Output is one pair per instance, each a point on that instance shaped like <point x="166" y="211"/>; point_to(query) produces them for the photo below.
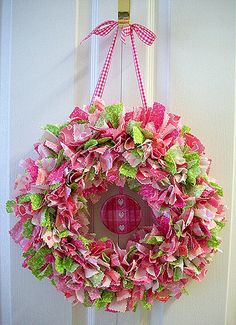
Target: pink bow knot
<point x="143" y="33"/>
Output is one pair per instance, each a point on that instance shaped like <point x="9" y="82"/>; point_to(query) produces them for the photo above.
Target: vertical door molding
<point x="162" y="53"/>
<point x="150" y="78"/>
<point x="94" y="48"/>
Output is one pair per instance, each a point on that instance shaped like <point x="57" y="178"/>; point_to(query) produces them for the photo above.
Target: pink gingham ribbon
<point x="144" y="34"/>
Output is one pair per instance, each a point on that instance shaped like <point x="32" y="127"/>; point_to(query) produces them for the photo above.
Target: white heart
<point x="120" y="202"/>
<point x="121" y="227"/>
<point x="121" y="214"/>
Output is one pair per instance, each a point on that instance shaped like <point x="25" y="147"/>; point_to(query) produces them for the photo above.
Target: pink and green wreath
<point x="146" y="150"/>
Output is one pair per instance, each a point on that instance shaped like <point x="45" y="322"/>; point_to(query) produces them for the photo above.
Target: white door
<point x="45" y="72"/>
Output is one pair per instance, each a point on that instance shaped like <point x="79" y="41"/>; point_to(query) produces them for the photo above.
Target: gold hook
<point x="123" y="12"/>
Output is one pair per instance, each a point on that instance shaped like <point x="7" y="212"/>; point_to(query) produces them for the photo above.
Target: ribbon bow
<point x="144" y="34"/>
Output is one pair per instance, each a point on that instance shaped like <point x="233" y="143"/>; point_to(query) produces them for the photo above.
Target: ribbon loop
<point x="103" y="29"/>
<point x="143" y="33"/>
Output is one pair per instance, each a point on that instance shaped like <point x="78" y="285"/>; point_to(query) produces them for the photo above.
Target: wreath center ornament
<point x="146" y="149"/>
<point x="121" y="214"/>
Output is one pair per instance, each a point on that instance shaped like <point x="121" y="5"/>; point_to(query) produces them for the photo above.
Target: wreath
<point x="146" y="150"/>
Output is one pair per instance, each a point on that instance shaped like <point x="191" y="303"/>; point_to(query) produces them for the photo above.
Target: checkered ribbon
<point x="144" y="34"/>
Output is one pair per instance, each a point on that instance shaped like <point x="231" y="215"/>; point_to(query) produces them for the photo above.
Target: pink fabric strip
<point x="144" y="34"/>
<point x="98" y="92"/>
<point x="138" y="71"/>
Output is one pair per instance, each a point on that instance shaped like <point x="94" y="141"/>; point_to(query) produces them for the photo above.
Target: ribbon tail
<point x="103" y="75"/>
<point x="138" y="71"/>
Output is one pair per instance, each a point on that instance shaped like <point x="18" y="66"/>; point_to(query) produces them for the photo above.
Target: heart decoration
<point x="122" y="227"/>
<point x="120" y="202"/>
<point x="121" y="214"/>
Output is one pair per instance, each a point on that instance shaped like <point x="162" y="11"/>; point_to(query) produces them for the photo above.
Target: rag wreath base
<point x="150" y="152"/>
